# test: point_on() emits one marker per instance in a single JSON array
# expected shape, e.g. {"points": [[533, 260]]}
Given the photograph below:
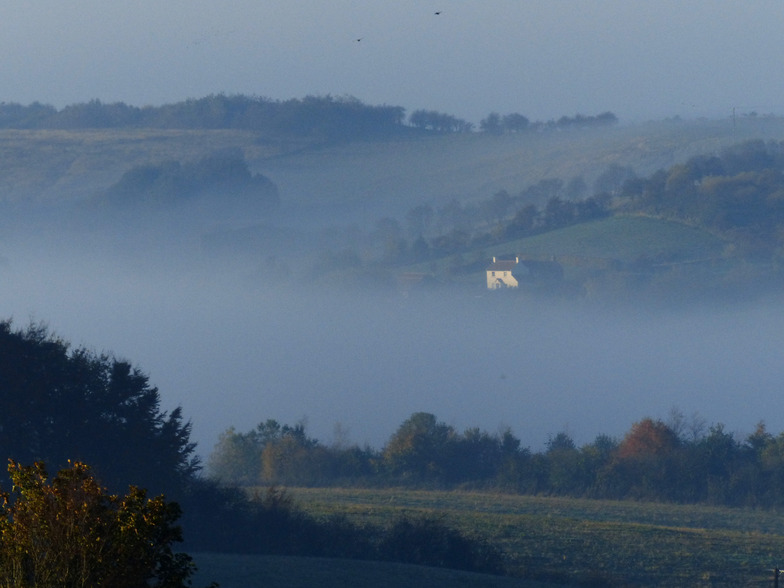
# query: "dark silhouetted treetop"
{"points": [[496, 124], [491, 124], [17, 116], [515, 122], [62, 404], [431, 120]]}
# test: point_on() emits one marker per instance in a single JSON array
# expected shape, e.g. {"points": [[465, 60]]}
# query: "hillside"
{"points": [[388, 178], [363, 179]]}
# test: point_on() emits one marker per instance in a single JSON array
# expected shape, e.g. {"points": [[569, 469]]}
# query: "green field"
{"points": [[593, 245], [624, 238], [642, 544]]}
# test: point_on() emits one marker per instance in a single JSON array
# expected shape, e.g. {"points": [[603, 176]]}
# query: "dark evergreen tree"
{"points": [[61, 404]]}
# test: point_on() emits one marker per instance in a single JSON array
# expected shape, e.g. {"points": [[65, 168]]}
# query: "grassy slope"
{"points": [[255, 571], [642, 543], [624, 238], [587, 245]]}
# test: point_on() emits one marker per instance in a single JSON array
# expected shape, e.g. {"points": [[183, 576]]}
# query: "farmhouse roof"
{"points": [[502, 265]]}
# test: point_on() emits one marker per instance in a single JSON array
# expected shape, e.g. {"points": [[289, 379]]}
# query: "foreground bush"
{"points": [[68, 532]]}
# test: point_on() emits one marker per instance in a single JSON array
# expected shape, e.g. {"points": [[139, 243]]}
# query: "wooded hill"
{"points": [[424, 200], [45, 159]]}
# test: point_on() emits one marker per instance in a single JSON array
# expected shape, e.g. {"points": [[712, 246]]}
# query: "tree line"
{"points": [[497, 124], [325, 117], [681, 460]]}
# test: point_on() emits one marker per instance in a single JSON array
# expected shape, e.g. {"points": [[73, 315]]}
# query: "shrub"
{"points": [[68, 532]]}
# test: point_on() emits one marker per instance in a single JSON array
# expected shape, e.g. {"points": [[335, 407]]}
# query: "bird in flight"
{"points": [[437, 12], [358, 40]]}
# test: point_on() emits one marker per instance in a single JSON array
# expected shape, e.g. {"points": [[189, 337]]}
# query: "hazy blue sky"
{"points": [[638, 58]]}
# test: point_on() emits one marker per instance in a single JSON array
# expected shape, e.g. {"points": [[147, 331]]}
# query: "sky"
{"points": [[641, 60]]}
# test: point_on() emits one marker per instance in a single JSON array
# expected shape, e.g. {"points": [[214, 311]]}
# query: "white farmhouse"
{"points": [[504, 273]]}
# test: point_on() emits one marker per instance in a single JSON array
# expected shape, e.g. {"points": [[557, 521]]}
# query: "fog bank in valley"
{"points": [[234, 351]]}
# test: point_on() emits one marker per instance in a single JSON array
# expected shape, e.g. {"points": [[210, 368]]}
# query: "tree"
{"points": [[611, 179], [293, 457], [273, 454], [61, 404], [716, 457], [514, 122], [431, 120], [388, 235], [524, 221], [646, 461], [452, 216], [575, 188], [478, 456], [420, 249], [419, 220], [69, 532], [648, 437], [496, 209], [418, 449], [559, 213], [542, 191], [491, 124], [236, 458]]}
